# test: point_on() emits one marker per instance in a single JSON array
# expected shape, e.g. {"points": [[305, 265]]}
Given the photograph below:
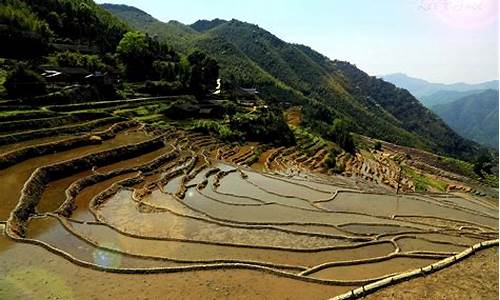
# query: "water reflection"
{"points": [[107, 258]]}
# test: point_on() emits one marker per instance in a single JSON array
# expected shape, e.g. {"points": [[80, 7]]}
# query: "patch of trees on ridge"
{"points": [[81, 35]]}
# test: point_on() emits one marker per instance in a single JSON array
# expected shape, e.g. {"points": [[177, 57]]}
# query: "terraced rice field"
{"points": [[96, 206]]}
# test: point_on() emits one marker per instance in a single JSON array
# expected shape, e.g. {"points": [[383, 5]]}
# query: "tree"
{"points": [[135, 54], [340, 134], [483, 164], [22, 33], [203, 73], [23, 82]]}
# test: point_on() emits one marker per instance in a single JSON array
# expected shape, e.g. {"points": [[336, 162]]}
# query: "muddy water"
{"points": [[53, 233], [54, 194], [470, 204], [410, 244], [318, 229], [457, 239], [49, 139], [275, 213], [385, 205], [168, 202], [209, 192], [136, 160], [438, 222], [324, 187], [285, 188], [83, 199], [121, 212], [173, 185], [234, 185], [372, 270], [200, 177], [198, 252], [30, 272], [323, 181], [10, 147], [13, 178], [376, 228], [489, 202]]}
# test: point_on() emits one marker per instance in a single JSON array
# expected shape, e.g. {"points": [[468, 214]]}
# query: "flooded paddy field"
{"points": [[134, 212]]}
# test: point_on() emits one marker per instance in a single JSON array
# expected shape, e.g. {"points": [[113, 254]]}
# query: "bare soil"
{"points": [[474, 278]]}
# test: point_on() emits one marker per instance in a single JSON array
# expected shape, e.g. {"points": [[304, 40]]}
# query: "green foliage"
{"points": [[17, 15], [80, 21], [331, 160], [78, 60], [217, 128], [22, 33], [23, 82], [294, 73], [173, 33], [165, 70], [266, 126], [162, 88], [203, 73], [473, 116], [135, 54], [182, 110], [424, 183], [340, 134], [145, 58], [483, 165]]}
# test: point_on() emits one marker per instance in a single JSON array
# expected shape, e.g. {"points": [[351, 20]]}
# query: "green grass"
{"points": [[423, 183], [3, 77], [459, 166], [149, 118]]}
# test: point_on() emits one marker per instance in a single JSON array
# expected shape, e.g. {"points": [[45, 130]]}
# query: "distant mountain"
{"points": [[443, 97], [473, 116], [421, 88], [326, 89]]}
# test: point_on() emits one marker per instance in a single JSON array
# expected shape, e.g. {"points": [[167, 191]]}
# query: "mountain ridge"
{"points": [[421, 88], [326, 89]]}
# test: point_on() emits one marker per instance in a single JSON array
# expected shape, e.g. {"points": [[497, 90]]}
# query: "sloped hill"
{"points": [[326, 89], [174, 33], [30, 28], [473, 116]]}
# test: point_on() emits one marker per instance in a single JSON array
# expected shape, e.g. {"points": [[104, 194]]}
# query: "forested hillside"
{"points": [[65, 50], [473, 116], [250, 56]]}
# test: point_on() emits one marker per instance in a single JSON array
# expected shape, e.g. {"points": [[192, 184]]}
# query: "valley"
{"points": [[150, 159]]}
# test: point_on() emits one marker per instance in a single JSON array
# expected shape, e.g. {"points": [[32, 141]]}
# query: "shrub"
{"points": [[182, 110], [22, 82], [162, 88], [267, 126], [221, 130], [331, 160], [78, 60]]}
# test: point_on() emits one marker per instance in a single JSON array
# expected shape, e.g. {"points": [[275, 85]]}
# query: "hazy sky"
{"points": [[437, 40]]}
